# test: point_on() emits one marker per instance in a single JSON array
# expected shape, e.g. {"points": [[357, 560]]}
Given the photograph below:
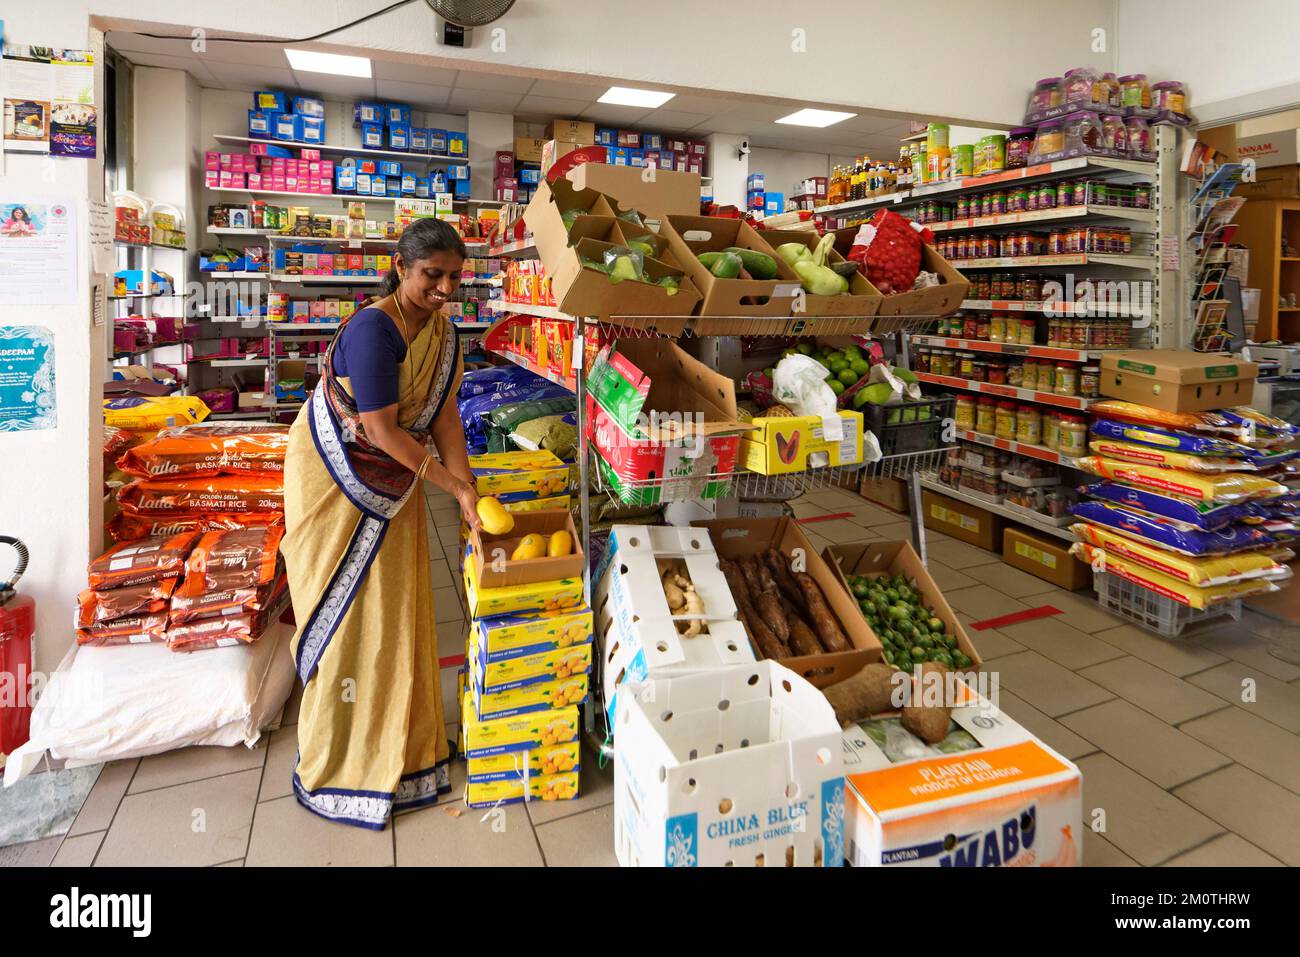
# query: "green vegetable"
{"points": [[823, 252], [936, 625], [645, 248], [848, 376], [623, 268], [860, 588], [759, 265], [793, 253], [819, 280], [671, 283], [961, 660], [569, 217], [918, 653], [724, 265]]}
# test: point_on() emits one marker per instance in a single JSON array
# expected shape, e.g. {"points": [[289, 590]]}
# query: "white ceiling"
{"points": [[250, 66]]}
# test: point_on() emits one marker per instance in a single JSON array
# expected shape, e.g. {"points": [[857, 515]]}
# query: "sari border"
{"points": [[336, 601], [325, 435], [450, 354], [374, 809]]}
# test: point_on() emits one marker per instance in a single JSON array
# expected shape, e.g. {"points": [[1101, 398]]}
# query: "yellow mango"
{"points": [[560, 545], [531, 546], [496, 520]]}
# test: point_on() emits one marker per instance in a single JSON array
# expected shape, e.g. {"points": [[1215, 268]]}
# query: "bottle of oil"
{"points": [[856, 180]]}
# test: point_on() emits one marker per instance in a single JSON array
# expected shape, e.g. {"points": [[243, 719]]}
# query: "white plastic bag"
{"points": [[799, 383]]}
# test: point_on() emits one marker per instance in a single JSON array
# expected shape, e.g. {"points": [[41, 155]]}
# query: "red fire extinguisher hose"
{"points": [[7, 587]]}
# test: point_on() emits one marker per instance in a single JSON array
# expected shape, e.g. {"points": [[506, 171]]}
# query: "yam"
{"points": [[866, 693], [766, 643], [768, 605], [749, 566], [785, 581], [735, 581], [928, 724], [802, 640], [823, 622]]}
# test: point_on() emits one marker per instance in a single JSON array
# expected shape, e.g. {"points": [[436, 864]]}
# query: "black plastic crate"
{"points": [[912, 425]]}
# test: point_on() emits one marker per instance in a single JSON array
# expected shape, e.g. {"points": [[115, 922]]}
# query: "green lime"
{"points": [[860, 366], [805, 347], [836, 386], [860, 398], [848, 376]]}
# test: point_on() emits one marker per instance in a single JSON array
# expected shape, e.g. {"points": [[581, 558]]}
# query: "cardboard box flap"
{"points": [[1180, 366]]}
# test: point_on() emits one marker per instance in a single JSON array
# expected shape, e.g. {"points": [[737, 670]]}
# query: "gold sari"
{"points": [[371, 739]]}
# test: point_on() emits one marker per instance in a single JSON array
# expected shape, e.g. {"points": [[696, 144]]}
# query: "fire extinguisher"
{"points": [[17, 628]]}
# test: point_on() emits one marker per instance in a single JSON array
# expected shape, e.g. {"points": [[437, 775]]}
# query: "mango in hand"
{"points": [[496, 520]]}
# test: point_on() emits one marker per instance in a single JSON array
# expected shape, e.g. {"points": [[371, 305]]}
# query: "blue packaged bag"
{"points": [[1206, 516], [1166, 533]]}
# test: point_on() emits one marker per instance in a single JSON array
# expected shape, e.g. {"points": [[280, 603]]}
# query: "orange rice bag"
{"points": [[132, 630], [148, 598], [233, 558], [230, 601], [222, 493], [203, 450], [129, 525], [147, 560]]}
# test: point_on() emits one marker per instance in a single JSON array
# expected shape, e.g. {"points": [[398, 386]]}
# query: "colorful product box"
{"points": [[389, 168], [606, 136], [555, 759], [756, 183], [528, 669], [457, 144], [536, 696], [537, 596], [780, 445], [460, 189], [365, 112], [629, 138], [399, 136], [556, 787], [652, 141], [531, 633], [484, 739], [773, 203], [419, 139], [372, 136], [262, 123], [309, 106], [312, 129], [438, 141], [287, 127], [540, 474], [395, 113]]}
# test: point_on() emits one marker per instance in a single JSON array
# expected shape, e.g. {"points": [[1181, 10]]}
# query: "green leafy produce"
{"points": [[569, 217]]}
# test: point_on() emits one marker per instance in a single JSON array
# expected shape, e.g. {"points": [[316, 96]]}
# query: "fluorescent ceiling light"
{"points": [[816, 117], [627, 96], [309, 61]]}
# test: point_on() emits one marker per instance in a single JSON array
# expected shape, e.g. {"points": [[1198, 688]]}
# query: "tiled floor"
{"points": [[1190, 749]]}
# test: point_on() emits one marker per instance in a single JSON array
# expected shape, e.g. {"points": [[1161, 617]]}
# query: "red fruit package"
{"points": [[888, 251]]}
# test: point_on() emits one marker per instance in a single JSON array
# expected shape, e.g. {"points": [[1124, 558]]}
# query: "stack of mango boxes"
{"points": [[529, 648]]}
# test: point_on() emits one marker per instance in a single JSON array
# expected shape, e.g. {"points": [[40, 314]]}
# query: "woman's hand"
{"points": [[467, 497]]}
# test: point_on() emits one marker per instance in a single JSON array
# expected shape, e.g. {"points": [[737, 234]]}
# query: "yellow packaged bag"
{"points": [[1166, 458], [1200, 572], [138, 413], [1102, 560], [1223, 489], [1145, 415]]}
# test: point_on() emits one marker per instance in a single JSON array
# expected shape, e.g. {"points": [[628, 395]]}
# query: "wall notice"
{"points": [[26, 378], [38, 253]]}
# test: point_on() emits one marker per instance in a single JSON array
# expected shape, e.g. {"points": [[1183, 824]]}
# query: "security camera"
{"points": [[743, 148]]}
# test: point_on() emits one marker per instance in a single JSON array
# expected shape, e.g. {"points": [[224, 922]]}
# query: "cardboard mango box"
{"points": [[538, 696], [654, 412], [940, 300], [1177, 380], [531, 633], [534, 596], [1046, 558], [555, 787], [667, 192], [989, 795], [963, 521], [874, 559], [494, 567], [557, 759], [784, 444], [862, 300], [540, 474], [509, 673], [735, 538], [889, 492], [523, 732], [740, 300]]}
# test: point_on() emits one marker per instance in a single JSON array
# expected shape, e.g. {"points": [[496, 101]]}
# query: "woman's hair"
{"points": [[27, 219], [420, 240]]}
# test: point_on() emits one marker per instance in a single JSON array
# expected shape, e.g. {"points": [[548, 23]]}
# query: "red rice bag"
{"points": [[233, 558], [205, 450], [132, 630], [222, 493], [129, 525], [147, 560], [230, 601], [149, 598], [116, 441], [228, 629]]}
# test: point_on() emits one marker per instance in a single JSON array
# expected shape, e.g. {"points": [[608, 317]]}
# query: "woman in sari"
{"points": [[371, 740]]}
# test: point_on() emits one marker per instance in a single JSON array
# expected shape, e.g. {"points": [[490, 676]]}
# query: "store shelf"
{"points": [[230, 362], [1147, 263], [276, 192], [526, 362], [242, 320], [327, 280], [1077, 403], [1080, 165], [1019, 516], [887, 199], [523, 249], [1010, 349], [274, 235], [138, 295], [546, 312], [228, 139], [1020, 448], [1096, 309], [283, 329], [1145, 216], [245, 414]]}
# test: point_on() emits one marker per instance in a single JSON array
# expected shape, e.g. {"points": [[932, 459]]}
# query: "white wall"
{"points": [[1236, 59], [783, 168]]}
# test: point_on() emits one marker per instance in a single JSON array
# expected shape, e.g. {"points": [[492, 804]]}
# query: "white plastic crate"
{"points": [[1153, 611]]}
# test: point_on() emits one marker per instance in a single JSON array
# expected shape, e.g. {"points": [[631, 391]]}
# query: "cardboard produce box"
{"points": [[554, 595], [862, 300], [1279, 148], [735, 538], [575, 131], [781, 444], [496, 569], [1274, 182], [874, 559], [655, 413], [1046, 558], [735, 767], [519, 476], [544, 217], [940, 300], [667, 193], [640, 636], [740, 300], [965, 522], [889, 492], [1003, 799], [1177, 380], [528, 150]]}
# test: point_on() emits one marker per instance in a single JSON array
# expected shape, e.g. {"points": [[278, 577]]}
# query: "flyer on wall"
{"points": [[38, 253], [72, 129], [26, 379], [45, 86]]}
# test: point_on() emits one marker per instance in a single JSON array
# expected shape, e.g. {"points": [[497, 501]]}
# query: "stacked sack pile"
{"points": [[197, 561], [529, 649], [1194, 506], [506, 408]]}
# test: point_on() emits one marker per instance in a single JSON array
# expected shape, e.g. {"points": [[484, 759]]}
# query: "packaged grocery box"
{"points": [[656, 413], [738, 299], [1175, 380], [560, 552], [575, 131], [519, 765], [735, 767], [641, 635], [767, 540], [668, 193], [555, 787], [535, 596], [989, 795], [1046, 558], [519, 733], [495, 703], [895, 560], [969, 523], [778, 445], [518, 670], [508, 475]]}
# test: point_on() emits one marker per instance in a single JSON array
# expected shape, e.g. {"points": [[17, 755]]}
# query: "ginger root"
{"points": [[675, 595], [694, 606]]}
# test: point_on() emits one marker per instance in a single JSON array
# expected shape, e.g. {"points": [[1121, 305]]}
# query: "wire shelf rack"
{"points": [[751, 485], [792, 325], [926, 463]]}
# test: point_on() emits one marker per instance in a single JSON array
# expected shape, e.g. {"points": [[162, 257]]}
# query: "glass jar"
{"points": [[1169, 97], [963, 207], [1030, 287], [1080, 191], [986, 416], [1046, 376], [1047, 196], [965, 412], [997, 372], [997, 327], [1141, 194], [1097, 333], [1114, 95], [966, 363], [1082, 129], [997, 203], [1139, 135], [1090, 382], [1005, 420], [970, 326], [1054, 333], [1067, 379], [1050, 140], [1029, 424], [1047, 94], [1114, 134], [1016, 374], [979, 370], [986, 205], [1077, 85], [1033, 369], [1065, 193], [1020, 144], [1051, 429], [1017, 199], [988, 246], [1073, 436], [922, 360], [1135, 93], [983, 328], [1028, 329]]}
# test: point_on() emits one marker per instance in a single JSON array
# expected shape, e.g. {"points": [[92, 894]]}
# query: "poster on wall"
{"points": [[26, 379], [72, 129], [38, 253], [49, 99]]}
